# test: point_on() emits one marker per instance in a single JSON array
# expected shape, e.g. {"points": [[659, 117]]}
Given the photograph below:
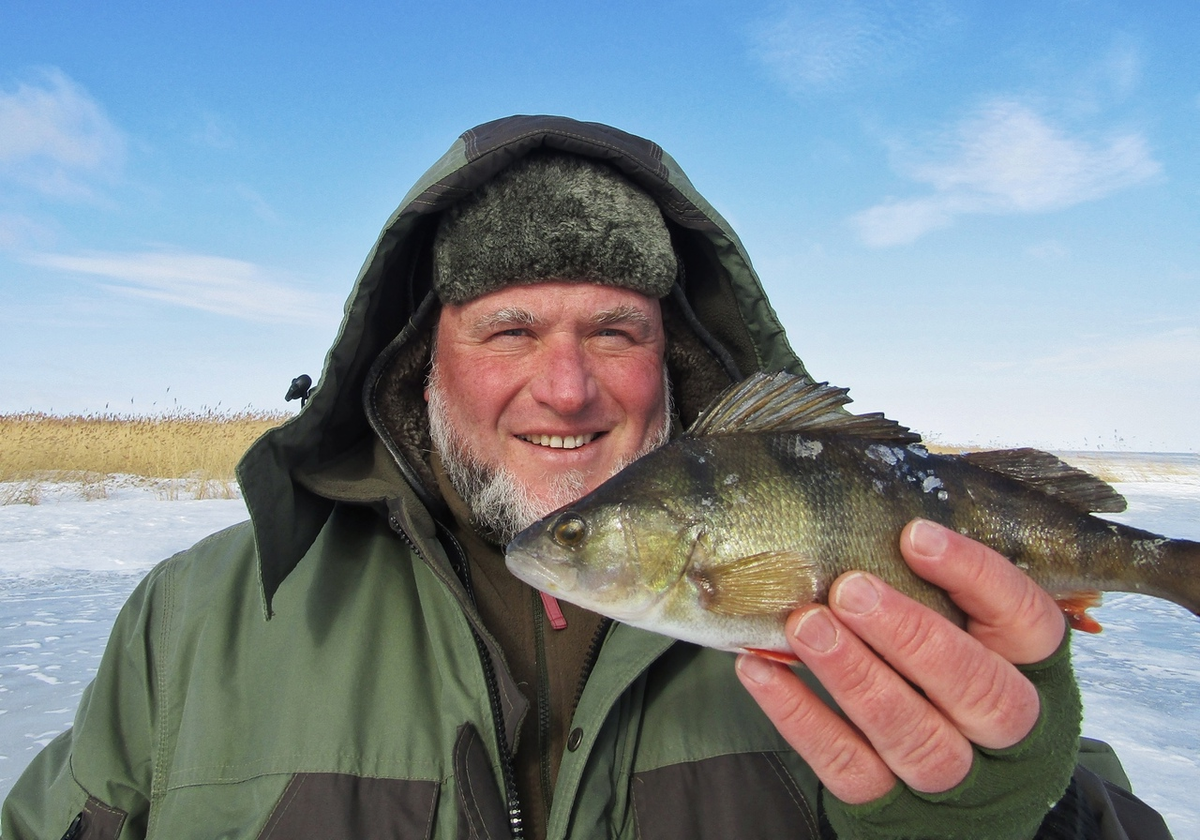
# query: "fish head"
{"points": [[610, 558]]}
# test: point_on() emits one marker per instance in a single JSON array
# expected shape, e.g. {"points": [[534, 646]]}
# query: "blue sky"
{"points": [[980, 217]]}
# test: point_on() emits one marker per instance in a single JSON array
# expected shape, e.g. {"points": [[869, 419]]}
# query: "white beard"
{"points": [[497, 499]]}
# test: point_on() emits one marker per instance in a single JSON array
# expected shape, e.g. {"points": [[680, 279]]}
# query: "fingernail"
{"points": [[856, 593], [755, 669], [816, 631], [927, 538]]}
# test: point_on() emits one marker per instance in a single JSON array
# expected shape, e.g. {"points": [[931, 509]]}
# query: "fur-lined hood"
{"points": [[362, 437]]}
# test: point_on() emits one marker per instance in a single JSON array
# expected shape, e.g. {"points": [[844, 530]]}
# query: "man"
{"points": [[549, 302]]}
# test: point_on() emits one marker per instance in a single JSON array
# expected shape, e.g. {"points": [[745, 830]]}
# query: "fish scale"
{"points": [[776, 491]]}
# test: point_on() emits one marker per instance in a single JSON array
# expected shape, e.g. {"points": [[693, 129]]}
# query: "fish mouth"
{"points": [[560, 441], [556, 580]]}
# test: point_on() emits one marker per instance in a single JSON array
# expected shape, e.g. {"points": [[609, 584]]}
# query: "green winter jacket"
{"points": [[321, 671]]}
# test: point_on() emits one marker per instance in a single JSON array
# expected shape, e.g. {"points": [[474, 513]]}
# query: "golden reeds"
{"points": [[196, 449]]}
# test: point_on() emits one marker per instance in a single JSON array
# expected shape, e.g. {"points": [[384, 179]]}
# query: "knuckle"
{"points": [[843, 756], [781, 696], [792, 711], [911, 634], [859, 677], [1033, 605], [853, 772], [997, 706], [985, 685], [976, 567], [935, 756]]}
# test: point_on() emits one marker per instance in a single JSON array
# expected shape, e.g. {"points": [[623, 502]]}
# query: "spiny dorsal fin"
{"points": [[760, 584], [1045, 472], [784, 402]]}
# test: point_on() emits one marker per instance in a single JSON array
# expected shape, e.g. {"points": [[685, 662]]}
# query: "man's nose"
{"points": [[564, 383]]}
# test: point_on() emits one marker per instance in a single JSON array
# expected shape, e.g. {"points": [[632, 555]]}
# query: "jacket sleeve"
{"points": [[1003, 796], [1098, 804], [93, 782]]}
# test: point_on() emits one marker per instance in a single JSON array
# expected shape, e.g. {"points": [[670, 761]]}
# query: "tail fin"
{"points": [[1177, 575]]}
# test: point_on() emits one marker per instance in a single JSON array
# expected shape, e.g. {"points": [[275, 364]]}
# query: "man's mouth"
{"points": [[559, 441]]}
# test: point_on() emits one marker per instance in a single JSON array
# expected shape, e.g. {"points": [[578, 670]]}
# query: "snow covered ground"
{"points": [[66, 566]]}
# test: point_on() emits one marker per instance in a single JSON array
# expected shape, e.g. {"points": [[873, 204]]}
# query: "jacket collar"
{"points": [[293, 475]]}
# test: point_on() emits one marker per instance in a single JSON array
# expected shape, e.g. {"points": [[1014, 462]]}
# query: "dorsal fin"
{"points": [[1047, 473], [784, 402]]}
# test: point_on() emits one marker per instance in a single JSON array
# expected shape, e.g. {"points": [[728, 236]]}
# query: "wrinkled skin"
{"points": [[564, 373], [526, 365], [871, 641]]}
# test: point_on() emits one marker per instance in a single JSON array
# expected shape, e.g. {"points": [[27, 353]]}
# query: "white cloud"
{"points": [[17, 231], [1123, 68], [1006, 159], [816, 46], [54, 137], [220, 285]]}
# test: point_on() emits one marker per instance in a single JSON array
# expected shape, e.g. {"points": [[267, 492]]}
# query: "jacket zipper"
{"points": [[75, 828], [543, 701], [459, 566], [589, 662]]}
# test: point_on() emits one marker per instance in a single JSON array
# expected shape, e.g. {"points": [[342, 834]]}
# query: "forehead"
{"points": [[554, 302]]}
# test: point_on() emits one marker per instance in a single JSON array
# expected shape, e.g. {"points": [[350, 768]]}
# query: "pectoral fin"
{"points": [[759, 584]]}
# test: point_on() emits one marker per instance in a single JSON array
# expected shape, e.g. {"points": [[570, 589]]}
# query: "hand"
{"points": [[872, 644]]}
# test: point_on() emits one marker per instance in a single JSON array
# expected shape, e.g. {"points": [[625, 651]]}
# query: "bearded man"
{"points": [[552, 300]]}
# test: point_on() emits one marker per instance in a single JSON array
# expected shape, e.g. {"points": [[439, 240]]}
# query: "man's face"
{"points": [[541, 392]]}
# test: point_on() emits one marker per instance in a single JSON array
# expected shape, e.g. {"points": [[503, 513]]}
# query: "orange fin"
{"points": [[757, 584], [774, 655], [1075, 606]]}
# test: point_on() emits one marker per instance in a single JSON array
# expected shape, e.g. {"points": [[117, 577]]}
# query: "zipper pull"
{"points": [[75, 828], [553, 611]]}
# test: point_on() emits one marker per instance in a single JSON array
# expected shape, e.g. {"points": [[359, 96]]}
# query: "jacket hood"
{"points": [[347, 443]]}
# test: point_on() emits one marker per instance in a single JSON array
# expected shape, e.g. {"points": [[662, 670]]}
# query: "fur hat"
{"points": [[553, 217]]}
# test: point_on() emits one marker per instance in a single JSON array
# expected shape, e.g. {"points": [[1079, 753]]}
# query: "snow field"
{"points": [[67, 565]]}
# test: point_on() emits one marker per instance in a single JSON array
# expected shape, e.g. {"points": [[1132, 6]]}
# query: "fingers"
{"points": [[975, 689], [1007, 611], [916, 690], [912, 737], [840, 756]]}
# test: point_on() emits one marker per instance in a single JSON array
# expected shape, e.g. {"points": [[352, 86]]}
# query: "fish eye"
{"points": [[569, 530]]}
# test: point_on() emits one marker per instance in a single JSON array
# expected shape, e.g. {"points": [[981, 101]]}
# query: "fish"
{"points": [[776, 489]]}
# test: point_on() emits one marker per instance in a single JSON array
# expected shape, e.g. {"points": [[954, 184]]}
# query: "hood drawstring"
{"points": [[553, 611]]}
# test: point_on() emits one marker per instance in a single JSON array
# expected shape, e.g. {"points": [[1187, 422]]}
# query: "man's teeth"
{"points": [[560, 441]]}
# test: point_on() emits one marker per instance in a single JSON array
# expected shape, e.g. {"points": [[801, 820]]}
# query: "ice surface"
{"points": [[1140, 678], [66, 566]]}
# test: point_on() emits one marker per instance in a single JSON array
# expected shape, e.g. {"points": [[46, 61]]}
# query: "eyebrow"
{"points": [[510, 316], [514, 316], [623, 314]]}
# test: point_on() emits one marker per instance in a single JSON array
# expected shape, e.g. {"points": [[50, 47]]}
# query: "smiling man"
{"points": [[550, 301], [539, 393]]}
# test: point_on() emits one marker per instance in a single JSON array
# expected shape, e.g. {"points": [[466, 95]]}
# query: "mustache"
{"points": [[499, 501]]}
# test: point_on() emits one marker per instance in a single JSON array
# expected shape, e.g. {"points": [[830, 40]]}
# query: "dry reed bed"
{"points": [[186, 455], [192, 455]]}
